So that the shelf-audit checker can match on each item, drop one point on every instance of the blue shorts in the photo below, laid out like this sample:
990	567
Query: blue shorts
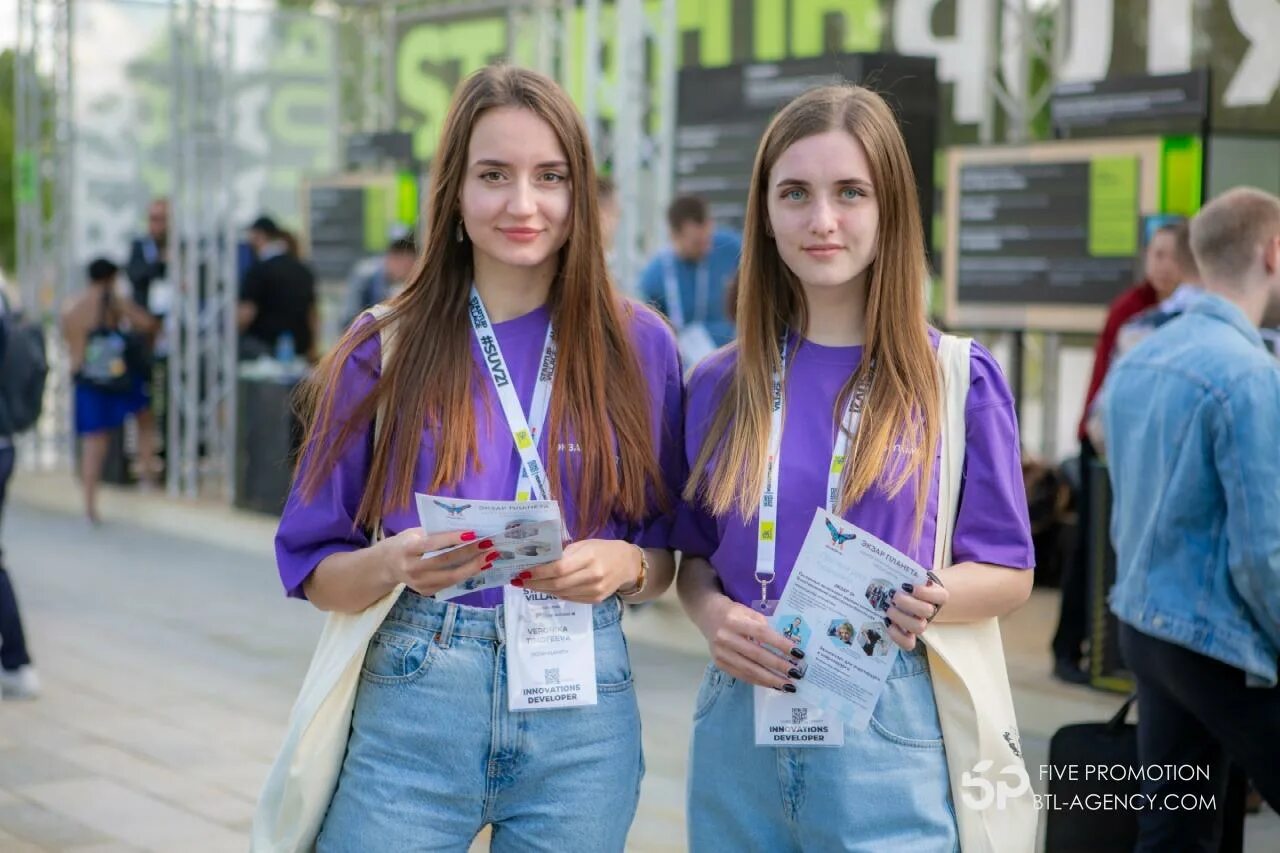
97	410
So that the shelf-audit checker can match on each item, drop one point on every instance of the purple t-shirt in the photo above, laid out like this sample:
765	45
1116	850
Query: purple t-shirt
991	527
312	530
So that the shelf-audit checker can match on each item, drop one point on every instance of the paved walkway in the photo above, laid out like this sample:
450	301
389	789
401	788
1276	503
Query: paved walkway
170	661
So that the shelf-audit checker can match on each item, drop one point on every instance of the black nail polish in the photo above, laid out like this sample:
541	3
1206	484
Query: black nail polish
795	673
906	587
789	688
797	653
888	621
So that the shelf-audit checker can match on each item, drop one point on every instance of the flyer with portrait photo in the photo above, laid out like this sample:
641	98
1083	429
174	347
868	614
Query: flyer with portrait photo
834	605
524	533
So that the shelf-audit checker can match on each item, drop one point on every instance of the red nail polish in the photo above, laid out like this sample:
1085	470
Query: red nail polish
524	576
517	582
486	567
468	536
488	543
491	556
929	582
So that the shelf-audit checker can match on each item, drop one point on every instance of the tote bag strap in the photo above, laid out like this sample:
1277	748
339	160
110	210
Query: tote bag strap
386	343
953	361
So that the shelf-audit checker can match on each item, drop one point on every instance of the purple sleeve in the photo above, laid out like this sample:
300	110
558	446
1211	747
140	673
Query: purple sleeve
695	531
660	362
992	524
312	529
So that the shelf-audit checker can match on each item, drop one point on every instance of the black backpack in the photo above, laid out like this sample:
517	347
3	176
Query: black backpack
23	372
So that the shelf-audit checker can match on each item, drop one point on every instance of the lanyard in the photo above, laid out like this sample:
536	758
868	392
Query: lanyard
701	292
766	546
532	483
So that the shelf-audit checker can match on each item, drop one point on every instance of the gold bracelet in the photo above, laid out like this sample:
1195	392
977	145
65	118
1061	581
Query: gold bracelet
638	586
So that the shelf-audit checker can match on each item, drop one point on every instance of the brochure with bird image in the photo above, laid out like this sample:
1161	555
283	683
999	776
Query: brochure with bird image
524	533
834	604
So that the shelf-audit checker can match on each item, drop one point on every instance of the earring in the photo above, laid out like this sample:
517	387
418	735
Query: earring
459	235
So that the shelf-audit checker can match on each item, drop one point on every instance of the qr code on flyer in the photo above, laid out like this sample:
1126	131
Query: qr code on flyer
799	715
551	675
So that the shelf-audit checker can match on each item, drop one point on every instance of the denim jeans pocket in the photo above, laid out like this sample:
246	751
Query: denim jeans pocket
613	662
714	683
395	658
907	713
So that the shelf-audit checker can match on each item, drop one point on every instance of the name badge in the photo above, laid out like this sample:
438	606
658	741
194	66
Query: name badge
783	720
695	343
551	651
160	297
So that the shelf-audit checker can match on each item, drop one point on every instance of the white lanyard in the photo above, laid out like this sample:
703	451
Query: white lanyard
532	483
701	292
766	546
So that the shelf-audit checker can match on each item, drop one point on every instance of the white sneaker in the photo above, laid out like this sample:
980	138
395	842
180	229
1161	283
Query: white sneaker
21	683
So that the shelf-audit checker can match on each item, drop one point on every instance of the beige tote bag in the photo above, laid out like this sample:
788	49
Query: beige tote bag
995	807
302	780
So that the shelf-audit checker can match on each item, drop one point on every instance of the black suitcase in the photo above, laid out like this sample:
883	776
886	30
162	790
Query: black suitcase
1112	830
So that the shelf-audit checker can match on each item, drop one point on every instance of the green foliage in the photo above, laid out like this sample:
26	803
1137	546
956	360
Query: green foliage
8	155
8	129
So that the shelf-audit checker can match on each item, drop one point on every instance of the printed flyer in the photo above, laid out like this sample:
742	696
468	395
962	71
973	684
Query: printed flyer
524	533
835	602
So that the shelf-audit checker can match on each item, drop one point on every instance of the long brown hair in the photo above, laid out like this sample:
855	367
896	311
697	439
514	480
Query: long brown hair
902	408
597	397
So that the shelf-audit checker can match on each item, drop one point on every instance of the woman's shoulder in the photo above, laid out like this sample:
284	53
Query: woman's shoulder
712	375
987	383
365	359
650	331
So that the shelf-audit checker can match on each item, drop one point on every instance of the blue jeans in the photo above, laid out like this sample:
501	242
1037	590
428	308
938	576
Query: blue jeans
434	754
885	789
13	643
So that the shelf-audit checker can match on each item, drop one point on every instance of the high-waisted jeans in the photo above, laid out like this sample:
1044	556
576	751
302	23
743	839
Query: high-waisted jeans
434	754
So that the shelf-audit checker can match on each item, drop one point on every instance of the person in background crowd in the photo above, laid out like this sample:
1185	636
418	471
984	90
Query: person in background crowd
152	290
611	210
1163	275
385	281
277	297
18	679
1189	288
1191	415
147	267
104	332
687	280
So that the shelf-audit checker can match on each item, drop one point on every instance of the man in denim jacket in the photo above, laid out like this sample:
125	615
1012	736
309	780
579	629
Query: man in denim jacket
1192	420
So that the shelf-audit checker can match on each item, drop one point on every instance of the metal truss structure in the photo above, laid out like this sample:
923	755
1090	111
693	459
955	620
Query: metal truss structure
44	172
200	333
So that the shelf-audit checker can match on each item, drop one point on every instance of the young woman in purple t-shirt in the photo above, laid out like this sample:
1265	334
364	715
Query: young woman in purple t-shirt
832	285
512	251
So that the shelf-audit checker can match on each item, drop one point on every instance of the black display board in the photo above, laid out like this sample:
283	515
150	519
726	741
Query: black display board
1024	236
723	113
335	226
1163	104
375	150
